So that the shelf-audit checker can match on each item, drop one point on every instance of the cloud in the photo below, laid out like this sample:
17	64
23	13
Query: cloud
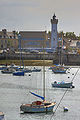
36	14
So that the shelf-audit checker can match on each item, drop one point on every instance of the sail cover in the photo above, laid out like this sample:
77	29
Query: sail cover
37	95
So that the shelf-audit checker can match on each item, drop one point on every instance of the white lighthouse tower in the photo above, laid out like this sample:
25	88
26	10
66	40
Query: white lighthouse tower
54	38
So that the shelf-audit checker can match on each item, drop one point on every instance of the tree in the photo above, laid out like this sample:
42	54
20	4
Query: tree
70	35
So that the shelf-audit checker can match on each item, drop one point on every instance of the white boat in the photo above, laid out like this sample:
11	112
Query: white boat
7	70
36	70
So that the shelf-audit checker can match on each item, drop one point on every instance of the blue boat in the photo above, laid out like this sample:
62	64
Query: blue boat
18	73
59	69
2	67
62	84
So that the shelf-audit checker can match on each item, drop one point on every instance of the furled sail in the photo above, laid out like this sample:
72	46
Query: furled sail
37	95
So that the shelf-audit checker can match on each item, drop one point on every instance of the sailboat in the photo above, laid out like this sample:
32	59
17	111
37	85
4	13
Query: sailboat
20	71
38	106
60	68
41	106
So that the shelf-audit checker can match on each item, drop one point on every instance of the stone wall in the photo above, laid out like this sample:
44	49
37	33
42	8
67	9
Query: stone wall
68	59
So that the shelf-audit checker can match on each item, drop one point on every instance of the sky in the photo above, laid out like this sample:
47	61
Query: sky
35	15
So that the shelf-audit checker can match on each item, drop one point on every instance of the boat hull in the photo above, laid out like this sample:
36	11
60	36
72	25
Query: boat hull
36	70
1	117
36	109
63	85
59	71
18	73
6	72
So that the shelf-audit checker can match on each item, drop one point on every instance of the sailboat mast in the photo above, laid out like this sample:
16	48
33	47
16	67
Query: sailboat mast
44	80
44	66
62	49
19	37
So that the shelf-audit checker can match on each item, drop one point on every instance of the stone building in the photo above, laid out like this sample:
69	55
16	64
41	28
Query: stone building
33	39
8	40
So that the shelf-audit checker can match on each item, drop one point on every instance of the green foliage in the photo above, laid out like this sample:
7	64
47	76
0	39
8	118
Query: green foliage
70	35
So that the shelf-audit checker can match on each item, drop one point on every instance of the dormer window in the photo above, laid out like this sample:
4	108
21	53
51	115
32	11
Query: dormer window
11	37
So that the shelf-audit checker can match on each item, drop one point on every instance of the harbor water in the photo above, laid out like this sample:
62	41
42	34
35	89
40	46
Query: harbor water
15	90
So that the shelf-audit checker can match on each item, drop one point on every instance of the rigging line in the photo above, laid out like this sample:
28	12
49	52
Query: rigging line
63	95
75	74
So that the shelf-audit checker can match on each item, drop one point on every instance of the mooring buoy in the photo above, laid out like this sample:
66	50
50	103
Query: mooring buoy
65	109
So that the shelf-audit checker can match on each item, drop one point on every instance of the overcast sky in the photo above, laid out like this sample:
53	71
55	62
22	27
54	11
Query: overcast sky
36	14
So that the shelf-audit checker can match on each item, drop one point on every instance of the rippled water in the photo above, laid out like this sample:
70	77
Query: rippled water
14	90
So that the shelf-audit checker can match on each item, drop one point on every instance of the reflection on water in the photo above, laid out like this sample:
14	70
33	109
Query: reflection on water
14	90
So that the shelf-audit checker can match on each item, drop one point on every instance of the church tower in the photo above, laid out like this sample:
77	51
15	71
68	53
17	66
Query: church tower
54	38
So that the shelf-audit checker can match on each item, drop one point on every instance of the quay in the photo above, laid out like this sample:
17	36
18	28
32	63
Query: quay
67	59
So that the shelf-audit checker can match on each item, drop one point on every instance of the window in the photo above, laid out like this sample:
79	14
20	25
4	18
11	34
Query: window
54	39
0	36
54	30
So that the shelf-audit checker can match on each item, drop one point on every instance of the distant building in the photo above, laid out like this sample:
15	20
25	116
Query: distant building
8	40
33	39
73	43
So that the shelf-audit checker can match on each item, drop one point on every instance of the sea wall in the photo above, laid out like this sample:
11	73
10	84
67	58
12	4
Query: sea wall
68	59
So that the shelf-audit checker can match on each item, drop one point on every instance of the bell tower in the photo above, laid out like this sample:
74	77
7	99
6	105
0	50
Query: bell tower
54	39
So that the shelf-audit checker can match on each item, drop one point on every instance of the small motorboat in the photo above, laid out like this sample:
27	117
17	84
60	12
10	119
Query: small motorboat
63	84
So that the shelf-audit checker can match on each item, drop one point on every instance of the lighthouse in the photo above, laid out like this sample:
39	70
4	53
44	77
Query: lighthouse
54	38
